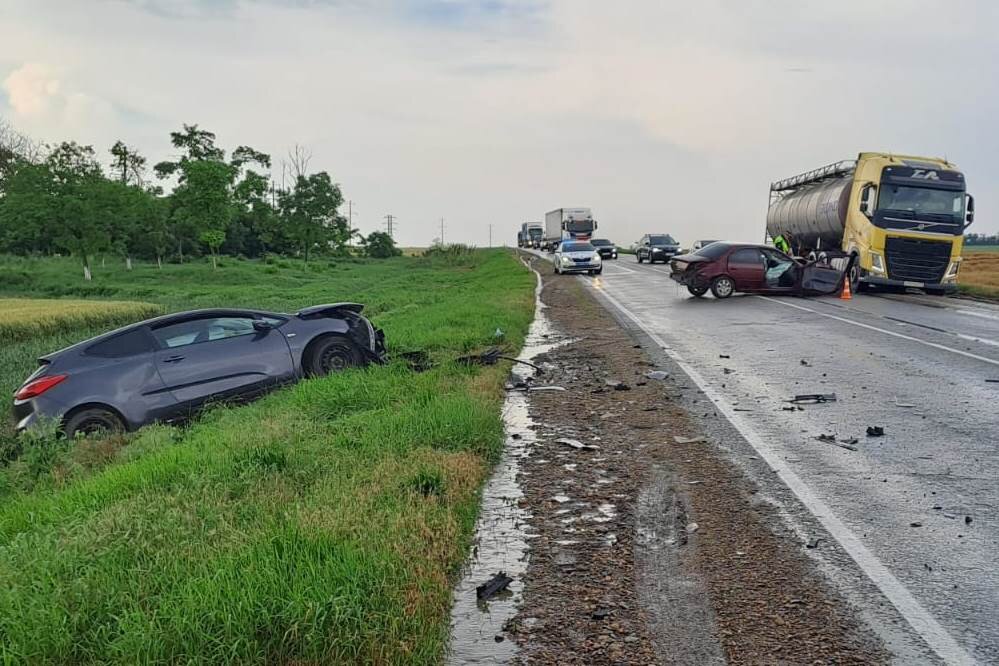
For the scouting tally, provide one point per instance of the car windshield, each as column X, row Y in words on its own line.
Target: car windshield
column 921, row 201
column 712, row 251
column 662, row 240
column 577, row 247
column 600, row 242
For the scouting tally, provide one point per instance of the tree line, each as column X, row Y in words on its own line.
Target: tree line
column 981, row 239
column 61, row 198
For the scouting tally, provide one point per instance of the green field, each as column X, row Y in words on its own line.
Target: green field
column 973, row 249
column 22, row 318
column 324, row 523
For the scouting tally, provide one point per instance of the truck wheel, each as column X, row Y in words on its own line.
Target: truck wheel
column 855, row 282
column 697, row 290
column 722, row 286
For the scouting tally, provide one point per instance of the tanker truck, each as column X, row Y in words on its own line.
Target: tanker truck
column 565, row 223
column 903, row 218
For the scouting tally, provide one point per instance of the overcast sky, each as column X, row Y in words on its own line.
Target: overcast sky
column 660, row 116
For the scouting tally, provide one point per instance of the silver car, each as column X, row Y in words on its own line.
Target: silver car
column 577, row 257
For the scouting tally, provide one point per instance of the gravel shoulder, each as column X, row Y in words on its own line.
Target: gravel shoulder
column 649, row 546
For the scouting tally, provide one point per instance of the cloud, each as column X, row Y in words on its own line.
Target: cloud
column 38, row 98
column 32, row 90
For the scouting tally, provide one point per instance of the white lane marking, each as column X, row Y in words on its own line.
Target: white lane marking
column 973, row 313
column 921, row 621
column 903, row 336
column 971, row 338
column 620, row 268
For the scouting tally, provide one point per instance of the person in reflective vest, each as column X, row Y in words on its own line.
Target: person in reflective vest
column 782, row 243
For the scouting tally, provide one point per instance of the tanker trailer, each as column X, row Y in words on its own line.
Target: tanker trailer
column 903, row 218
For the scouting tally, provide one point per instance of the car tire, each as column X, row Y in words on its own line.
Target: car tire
column 639, row 257
column 722, row 286
column 697, row 290
column 92, row 421
column 333, row 353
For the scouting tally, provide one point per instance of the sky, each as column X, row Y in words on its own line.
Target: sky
column 660, row 116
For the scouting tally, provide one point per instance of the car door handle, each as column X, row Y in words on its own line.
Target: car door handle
column 173, row 359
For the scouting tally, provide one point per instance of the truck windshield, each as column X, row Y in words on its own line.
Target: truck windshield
column 921, row 203
column 535, row 232
column 579, row 225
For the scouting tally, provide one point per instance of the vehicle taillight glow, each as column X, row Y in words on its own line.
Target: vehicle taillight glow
column 35, row 388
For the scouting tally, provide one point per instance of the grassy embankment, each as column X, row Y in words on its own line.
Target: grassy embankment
column 323, row 523
column 980, row 271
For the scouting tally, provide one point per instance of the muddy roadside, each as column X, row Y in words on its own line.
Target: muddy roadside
column 648, row 546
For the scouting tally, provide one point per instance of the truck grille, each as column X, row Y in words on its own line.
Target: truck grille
column 917, row 260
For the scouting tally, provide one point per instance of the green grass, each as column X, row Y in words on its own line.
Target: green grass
column 324, row 523
column 974, row 249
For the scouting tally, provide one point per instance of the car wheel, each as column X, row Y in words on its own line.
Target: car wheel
column 599, row 271
column 722, row 286
column 93, row 421
column 333, row 354
column 697, row 290
column 639, row 257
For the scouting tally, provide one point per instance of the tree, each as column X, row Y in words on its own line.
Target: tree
column 16, row 147
column 380, row 245
column 310, row 212
column 128, row 166
column 203, row 202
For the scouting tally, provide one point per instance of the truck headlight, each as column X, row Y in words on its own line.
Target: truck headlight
column 877, row 263
column 952, row 270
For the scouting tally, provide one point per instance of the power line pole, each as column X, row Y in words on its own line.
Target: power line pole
column 350, row 221
column 442, row 231
column 390, row 219
column 490, row 235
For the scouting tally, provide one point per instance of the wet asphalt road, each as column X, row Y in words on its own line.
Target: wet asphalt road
column 922, row 500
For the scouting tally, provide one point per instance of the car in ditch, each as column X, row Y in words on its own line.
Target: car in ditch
column 656, row 247
column 726, row 268
column 605, row 248
column 165, row 368
column 577, row 257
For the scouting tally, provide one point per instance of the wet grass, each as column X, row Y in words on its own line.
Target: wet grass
column 321, row 524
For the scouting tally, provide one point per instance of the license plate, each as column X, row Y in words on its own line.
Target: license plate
column 919, row 285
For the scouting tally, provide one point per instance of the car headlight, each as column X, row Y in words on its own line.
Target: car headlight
column 877, row 263
column 952, row 270
column 596, row 258
column 657, row 249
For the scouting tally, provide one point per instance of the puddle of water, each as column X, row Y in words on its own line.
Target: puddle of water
column 500, row 536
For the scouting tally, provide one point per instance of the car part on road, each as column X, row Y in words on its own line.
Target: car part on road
column 875, row 431
column 576, row 444
column 493, row 586
column 831, row 439
column 813, row 398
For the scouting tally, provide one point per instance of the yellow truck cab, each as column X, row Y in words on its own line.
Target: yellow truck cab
column 904, row 218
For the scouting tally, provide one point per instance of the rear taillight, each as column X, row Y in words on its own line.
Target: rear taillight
column 36, row 387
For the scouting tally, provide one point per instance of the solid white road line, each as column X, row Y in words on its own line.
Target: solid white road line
column 903, row 336
column 921, row 621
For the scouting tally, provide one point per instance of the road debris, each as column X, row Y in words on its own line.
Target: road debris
column 728, row 371
column 903, row 404
column 546, row 388
column 724, row 356
column 692, row 527
column 805, row 363
column 657, row 374
column 875, row 431
column 576, row 444
column 813, row 398
column 493, row 586
column 491, row 357
column 601, row 613
column 813, row 543
column 689, row 440
column 831, row 439
column 915, row 523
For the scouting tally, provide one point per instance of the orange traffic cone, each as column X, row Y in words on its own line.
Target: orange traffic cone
column 844, row 293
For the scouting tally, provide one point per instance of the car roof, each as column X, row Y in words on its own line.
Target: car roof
column 173, row 317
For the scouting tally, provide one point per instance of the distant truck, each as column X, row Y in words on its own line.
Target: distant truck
column 530, row 234
column 565, row 223
column 903, row 217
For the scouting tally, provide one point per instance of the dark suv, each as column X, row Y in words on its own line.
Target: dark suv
column 605, row 248
column 656, row 247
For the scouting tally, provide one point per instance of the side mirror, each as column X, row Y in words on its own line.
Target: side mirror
column 969, row 215
column 261, row 326
column 865, row 199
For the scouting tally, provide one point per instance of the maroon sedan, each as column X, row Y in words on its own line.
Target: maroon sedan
column 726, row 268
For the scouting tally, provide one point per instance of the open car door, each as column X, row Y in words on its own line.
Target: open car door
column 822, row 278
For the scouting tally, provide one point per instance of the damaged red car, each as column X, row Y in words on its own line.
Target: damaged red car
column 727, row 268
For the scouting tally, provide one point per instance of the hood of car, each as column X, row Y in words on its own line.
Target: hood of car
column 585, row 254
